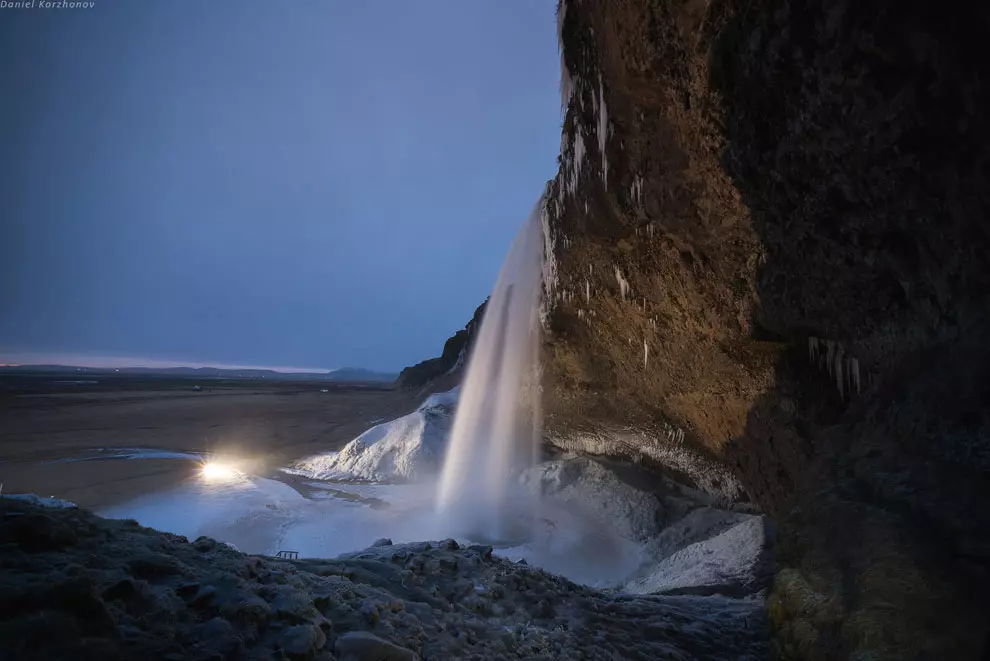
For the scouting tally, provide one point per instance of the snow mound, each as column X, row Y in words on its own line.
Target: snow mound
column 698, row 524
column 406, row 449
column 591, row 487
column 34, row 499
column 732, row 563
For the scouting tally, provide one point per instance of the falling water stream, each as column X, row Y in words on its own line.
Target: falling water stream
column 493, row 487
column 497, row 427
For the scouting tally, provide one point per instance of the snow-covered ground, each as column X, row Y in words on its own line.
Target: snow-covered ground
column 261, row 515
column 407, row 449
column 594, row 524
column 733, row 562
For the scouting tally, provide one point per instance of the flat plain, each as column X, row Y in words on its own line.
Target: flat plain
column 62, row 436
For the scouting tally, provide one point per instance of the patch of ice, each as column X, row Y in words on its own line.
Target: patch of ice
column 128, row 453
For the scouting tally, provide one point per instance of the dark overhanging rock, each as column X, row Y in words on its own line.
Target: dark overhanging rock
column 769, row 231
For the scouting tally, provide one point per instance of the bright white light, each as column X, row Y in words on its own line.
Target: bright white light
column 213, row 471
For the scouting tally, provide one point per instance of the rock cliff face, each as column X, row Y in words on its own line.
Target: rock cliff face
column 767, row 270
column 453, row 358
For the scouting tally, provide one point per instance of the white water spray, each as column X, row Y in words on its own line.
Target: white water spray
column 496, row 429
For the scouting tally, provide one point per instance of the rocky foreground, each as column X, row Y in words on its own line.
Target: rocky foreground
column 76, row 586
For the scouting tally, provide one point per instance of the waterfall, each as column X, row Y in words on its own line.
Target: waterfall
column 496, row 430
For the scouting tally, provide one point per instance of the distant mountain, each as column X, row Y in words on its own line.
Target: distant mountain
column 339, row 375
column 360, row 374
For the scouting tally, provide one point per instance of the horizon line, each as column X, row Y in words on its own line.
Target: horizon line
column 116, row 362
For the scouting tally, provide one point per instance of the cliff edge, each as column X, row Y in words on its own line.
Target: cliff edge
column 451, row 361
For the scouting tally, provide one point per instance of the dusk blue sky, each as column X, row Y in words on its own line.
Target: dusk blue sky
column 308, row 184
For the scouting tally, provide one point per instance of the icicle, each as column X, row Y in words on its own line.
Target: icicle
column 831, row 354
column 838, row 372
column 646, row 353
column 854, row 368
column 587, row 291
column 602, row 112
column 623, row 283
column 813, row 350
column 636, row 191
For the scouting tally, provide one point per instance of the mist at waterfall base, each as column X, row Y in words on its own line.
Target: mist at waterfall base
column 490, row 484
column 490, row 487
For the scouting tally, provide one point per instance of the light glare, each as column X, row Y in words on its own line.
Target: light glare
column 213, row 471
